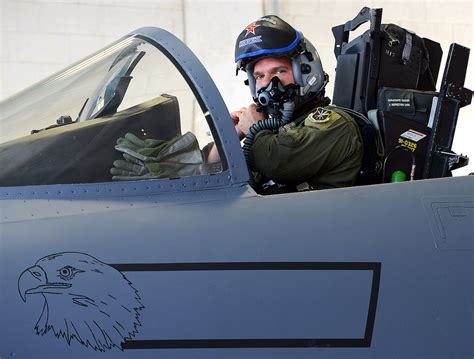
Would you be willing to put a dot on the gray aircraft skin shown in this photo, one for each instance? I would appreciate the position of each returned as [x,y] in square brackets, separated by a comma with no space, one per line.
[204,267]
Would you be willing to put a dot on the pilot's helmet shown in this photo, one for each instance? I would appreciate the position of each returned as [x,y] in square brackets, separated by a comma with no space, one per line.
[270,36]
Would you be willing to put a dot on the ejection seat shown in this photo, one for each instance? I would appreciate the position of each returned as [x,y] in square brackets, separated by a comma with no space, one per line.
[389,74]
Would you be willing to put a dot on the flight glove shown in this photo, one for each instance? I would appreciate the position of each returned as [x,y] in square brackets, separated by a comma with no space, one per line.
[131,168]
[150,158]
[141,149]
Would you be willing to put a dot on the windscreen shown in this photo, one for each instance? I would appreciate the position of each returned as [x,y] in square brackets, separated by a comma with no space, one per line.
[65,129]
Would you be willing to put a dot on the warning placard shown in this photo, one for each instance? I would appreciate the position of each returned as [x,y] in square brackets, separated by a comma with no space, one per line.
[413,135]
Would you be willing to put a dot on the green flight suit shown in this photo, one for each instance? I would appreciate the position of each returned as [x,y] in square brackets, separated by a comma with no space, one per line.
[325,151]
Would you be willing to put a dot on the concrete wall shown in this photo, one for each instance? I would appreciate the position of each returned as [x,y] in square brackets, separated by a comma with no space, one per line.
[39,37]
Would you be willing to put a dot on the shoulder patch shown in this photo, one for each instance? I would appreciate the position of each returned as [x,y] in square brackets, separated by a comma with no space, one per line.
[322,118]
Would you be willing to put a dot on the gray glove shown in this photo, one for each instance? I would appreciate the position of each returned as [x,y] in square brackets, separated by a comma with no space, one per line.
[146,159]
[132,169]
[157,150]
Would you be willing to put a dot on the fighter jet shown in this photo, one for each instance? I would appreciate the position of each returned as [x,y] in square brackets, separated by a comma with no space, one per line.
[195,262]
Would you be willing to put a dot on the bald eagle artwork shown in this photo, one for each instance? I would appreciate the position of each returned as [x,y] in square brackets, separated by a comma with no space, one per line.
[84,299]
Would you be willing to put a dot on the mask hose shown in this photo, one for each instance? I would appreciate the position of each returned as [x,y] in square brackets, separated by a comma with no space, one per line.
[272,124]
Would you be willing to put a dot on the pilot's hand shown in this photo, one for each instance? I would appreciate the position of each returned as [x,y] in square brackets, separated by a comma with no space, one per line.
[235,115]
[249,117]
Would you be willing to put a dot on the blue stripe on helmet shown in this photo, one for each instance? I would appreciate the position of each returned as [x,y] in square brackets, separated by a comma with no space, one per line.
[273,51]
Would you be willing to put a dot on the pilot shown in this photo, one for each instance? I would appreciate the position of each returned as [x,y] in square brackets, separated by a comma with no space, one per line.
[293,139]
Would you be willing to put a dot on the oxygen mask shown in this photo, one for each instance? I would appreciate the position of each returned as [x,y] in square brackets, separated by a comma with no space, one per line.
[274,98]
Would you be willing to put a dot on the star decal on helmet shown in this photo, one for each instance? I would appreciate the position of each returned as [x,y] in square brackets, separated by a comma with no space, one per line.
[251,28]
[321,115]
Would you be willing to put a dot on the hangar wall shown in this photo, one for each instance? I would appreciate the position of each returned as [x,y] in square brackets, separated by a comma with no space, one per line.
[39,37]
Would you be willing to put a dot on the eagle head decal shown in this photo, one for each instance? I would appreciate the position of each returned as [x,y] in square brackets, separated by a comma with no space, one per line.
[84,299]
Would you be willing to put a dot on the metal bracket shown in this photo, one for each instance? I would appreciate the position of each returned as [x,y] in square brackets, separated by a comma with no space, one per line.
[459,93]
[455,161]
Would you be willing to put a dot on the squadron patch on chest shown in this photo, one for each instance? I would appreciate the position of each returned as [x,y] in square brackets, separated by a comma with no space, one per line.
[321,118]
[321,115]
